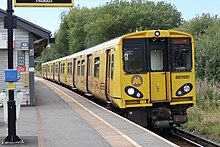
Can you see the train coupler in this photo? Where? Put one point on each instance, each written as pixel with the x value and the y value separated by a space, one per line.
pixel 161 118
pixel 163 124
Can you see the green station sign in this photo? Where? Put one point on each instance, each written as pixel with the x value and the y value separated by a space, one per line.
pixel 43 3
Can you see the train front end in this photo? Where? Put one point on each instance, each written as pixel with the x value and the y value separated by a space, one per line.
pixel 157 77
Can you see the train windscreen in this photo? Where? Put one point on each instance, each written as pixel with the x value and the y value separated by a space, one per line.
pixel 182 54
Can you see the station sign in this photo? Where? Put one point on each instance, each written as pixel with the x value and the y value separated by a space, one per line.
pixel 43 3
pixel 4 40
pixel 11 75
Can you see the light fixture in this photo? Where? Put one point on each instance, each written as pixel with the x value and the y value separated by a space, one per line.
pixel 157 33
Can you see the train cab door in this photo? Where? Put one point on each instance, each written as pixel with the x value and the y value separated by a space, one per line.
pixel 157 54
pixel 109 74
pixel 89 77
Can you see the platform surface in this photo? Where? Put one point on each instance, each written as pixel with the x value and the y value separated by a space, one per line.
pixel 62 118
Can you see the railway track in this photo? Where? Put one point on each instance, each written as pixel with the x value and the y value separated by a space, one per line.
pixel 185 139
pixel 194 139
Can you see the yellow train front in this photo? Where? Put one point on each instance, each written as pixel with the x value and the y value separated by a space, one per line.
pixel 148 75
pixel 158 75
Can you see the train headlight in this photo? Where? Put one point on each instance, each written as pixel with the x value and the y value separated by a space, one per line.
pixel 131 91
pixel 157 33
pixel 186 88
pixel 138 95
pixel 180 93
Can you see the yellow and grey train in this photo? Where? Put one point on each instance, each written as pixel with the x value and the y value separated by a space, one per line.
pixel 148 75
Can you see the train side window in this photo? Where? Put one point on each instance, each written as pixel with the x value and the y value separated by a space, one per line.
pixel 78 68
pixel 90 65
pixel 70 68
pixel 133 60
pixel 96 67
pixel 48 68
pixel 109 66
pixel 83 68
pixel 62 68
pixel 112 66
pixel 75 67
pixel 56 68
pixel 52 68
pixel 156 60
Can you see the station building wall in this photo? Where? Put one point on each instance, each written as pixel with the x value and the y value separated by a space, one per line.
pixel 21 58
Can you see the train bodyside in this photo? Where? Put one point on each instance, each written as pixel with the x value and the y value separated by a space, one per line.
pixel 91 73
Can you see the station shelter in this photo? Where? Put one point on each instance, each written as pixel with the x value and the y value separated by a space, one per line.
pixel 29 40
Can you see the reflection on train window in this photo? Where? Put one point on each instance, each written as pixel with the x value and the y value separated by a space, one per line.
pixel 96 67
pixel 156 59
pixel 78 68
pixel 133 60
pixel 83 68
pixel 182 58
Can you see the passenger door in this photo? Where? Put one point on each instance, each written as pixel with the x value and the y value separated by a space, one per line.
pixel 158 72
pixel 109 74
pixel 89 77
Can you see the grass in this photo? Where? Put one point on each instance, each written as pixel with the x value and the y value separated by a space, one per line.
pixel 204 118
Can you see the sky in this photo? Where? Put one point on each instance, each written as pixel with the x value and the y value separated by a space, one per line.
pixel 49 18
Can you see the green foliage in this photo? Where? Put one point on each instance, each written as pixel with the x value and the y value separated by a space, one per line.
pixel 204 117
pixel 206 32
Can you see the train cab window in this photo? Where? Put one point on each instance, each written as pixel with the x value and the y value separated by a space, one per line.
pixel 182 54
pixel 182 59
pixel 78 68
pixel 133 60
pixel 83 68
pixel 156 60
pixel 96 67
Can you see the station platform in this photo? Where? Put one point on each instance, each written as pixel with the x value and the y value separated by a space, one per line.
pixel 64 118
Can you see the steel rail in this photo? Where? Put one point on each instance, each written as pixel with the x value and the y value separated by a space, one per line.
pixel 197 139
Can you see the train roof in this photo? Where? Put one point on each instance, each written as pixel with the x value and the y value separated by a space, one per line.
pixel 105 45
pixel 114 42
